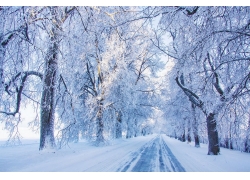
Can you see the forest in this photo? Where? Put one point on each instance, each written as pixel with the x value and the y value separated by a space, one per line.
pixel 108 72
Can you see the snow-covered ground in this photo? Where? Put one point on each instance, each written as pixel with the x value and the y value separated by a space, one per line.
pixel 196 159
pixel 122 155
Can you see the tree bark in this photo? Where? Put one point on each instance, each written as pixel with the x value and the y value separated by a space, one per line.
pixel 195 128
pixel 48 101
pixel 129 130
pixel 47 139
pixel 135 128
pixel 118 132
pixel 183 136
pixel 189 131
pixel 100 125
pixel 247 140
pixel 213 139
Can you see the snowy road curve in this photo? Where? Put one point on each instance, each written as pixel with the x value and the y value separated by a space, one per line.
pixel 154 156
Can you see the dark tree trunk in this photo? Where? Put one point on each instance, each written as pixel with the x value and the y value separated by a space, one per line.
pixel 247 140
pixel 129 134
pixel 48 101
pixel 230 142
pixel 195 127
pixel 135 128
pixel 213 139
pixel 226 143
pixel 183 137
pixel 247 146
pixel 196 141
pixel 129 130
pixel 189 138
pixel 118 132
pixel 175 135
pixel 47 139
pixel 189 132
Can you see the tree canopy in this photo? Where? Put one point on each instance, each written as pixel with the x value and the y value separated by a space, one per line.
pixel 95 73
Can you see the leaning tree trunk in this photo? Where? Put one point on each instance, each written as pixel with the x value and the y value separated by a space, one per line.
pixel 213 139
pixel 47 139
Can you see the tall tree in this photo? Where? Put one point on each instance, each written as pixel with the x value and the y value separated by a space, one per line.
pixel 57 18
pixel 205 40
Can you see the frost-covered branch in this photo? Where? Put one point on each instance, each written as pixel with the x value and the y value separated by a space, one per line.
pixel 191 95
pixel 216 83
pixel 19 89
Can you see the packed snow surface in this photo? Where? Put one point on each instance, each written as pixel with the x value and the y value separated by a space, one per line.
pixel 152 153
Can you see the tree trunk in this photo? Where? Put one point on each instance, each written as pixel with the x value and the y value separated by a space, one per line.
pixel 47 139
pixel 247 140
pixel 129 130
pixel 183 136
pixel 189 132
pixel 230 140
pixel 118 126
pixel 213 139
pixel 48 101
pixel 100 125
pixel 136 128
pixel 195 128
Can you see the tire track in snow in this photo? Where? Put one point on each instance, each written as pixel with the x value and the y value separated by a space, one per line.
pixel 175 164
pixel 147 159
pixel 135 156
pixel 106 163
pixel 162 160
pixel 153 156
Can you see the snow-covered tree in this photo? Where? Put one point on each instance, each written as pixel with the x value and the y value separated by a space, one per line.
pixel 211 43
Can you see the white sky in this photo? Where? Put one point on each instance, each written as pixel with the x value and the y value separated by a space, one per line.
pixel 27 115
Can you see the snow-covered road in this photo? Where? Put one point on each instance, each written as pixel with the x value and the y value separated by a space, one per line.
pixel 154 156
pixel 149 153
pixel 152 153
